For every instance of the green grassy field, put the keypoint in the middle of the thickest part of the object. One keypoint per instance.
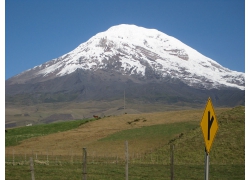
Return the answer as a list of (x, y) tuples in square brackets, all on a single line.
[(163, 131), (16, 135), (227, 156), (116, 172)]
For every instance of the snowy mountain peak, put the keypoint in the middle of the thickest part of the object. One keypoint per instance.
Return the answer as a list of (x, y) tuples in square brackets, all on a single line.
[(133, 50)]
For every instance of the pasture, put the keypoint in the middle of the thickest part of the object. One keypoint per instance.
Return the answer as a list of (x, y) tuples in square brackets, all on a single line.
[(149, 136)]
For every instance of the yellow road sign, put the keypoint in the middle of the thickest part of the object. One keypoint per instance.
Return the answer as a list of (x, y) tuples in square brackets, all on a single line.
[(209, 125)]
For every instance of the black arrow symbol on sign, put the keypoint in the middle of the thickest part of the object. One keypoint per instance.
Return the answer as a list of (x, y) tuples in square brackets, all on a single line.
[(210, 122)]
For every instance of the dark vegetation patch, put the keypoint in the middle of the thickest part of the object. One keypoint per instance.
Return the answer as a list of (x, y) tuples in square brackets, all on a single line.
[(137, 120)]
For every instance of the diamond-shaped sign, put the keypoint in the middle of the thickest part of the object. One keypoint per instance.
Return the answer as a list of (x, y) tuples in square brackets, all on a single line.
[(209, 125)]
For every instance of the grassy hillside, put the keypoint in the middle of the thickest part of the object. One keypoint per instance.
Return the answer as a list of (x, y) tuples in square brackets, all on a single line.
[(88, 134), (149, 136), (228, 146), (14, 136)]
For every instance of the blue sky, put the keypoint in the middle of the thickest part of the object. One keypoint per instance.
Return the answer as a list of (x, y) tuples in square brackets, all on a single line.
[(38, 31)]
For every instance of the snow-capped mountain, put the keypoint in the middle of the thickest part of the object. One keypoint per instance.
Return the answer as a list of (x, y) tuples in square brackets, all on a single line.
[(147, 63), (132, 50)]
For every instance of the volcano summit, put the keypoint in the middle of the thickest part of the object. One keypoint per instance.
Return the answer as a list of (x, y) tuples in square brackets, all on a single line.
[(145, 62)]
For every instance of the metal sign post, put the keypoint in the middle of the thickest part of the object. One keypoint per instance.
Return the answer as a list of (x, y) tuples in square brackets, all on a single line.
[(206, 165), (209, 127)]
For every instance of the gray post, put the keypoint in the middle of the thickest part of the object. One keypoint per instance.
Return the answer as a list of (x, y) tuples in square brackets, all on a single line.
[(47, 155), (84, 165), (126, 160), (206, 164), (72, 161), (32, 169), (13, 157), (172, 161)]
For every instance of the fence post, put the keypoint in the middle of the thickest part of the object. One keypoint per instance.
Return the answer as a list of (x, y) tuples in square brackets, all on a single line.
[(126, 160), (172, 161), (84, 165), (32, 169), (47, 155), (13, 157)]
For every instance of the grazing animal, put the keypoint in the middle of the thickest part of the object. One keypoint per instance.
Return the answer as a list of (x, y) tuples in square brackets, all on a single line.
[(96, 117)]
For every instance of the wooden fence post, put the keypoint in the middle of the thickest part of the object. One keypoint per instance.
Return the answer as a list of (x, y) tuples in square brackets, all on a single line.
[(126, 160), (47, 155), (172, 161), (93, 157), (84, 165), (13, 157), (32, 169)]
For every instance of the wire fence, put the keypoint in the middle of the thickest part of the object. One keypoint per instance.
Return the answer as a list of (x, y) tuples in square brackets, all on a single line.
[(19, 159), (97, 167), (108, 166), (157, 166)]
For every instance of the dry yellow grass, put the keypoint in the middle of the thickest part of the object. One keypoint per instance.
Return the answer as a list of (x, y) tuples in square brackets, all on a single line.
[(87, 135)]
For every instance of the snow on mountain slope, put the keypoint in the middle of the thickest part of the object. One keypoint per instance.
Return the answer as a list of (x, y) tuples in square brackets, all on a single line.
[(130, 49)]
